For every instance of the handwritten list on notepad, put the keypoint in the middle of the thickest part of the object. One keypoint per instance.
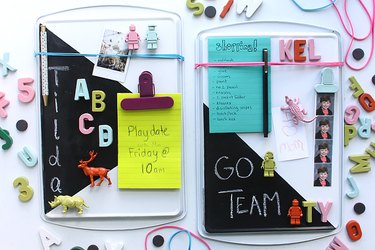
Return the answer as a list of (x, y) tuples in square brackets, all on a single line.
[(149, 146), (236, 93)]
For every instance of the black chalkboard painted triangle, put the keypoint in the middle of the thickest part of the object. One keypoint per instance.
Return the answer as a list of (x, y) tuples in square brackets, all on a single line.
[(241, 199), (63, 145)]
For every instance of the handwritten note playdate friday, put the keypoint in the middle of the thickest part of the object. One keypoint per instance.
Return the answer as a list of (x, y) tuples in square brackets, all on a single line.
[(149, 146), (235, 93)]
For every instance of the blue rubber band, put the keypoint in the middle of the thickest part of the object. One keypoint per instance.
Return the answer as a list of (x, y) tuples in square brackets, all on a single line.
[(314, 9), (156, 56), (173, 235)]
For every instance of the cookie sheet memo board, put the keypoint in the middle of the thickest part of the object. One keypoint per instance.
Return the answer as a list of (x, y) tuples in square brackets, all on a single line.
[(89, 64), (271, 172)]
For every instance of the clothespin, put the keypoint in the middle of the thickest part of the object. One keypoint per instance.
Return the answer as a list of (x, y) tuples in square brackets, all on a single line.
[(28, 158), (4, 134), (147, 99), (326, 84)]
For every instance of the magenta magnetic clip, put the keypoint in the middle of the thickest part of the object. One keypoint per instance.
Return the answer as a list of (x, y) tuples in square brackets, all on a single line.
[(147, 99)]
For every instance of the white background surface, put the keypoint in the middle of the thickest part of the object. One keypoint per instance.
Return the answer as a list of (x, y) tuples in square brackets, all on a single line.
[(21, 222)]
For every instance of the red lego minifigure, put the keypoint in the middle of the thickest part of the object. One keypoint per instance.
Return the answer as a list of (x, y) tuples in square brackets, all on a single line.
[(295, 213)]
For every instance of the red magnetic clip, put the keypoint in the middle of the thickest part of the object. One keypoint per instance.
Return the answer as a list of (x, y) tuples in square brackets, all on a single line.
[(147, 99)]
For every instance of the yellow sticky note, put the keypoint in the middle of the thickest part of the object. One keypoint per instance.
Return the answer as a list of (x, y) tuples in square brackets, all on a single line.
[(149, 146)]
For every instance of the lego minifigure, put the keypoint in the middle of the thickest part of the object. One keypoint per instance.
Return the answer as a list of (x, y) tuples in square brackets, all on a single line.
[(295, 213), (132, 38), (268, 164), (152, 38)]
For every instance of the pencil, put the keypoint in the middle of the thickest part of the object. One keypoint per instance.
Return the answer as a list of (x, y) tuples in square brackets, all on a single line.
[(44, 66), (265, 93)]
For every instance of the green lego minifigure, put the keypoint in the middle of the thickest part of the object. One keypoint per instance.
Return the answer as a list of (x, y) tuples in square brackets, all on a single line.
[(268, 164)]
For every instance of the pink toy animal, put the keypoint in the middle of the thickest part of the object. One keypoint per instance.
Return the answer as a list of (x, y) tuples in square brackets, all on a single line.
[(296, 111), (94, 171)]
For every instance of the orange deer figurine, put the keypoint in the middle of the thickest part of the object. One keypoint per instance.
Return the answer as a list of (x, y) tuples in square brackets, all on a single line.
[(94, 171)]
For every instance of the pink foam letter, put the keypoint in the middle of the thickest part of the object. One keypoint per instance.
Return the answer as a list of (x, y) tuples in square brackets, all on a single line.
[(284, 50), (324, 209), (81, 123)]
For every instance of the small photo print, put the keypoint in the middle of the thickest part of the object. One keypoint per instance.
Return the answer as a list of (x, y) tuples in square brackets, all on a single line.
[(110, 65), (322, 175), (325, 104), (323, 151), (324, 127)]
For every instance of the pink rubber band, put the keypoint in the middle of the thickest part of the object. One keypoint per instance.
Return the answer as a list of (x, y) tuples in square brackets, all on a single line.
[(323, 64), (351, 32), (178, 228), (242, 64)]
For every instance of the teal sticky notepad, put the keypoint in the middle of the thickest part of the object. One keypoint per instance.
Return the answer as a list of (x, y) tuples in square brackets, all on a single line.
[(236, 93)]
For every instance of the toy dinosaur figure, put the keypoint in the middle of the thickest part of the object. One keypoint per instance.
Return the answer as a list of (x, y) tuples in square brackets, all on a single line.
[(67, 202), (296, 111)]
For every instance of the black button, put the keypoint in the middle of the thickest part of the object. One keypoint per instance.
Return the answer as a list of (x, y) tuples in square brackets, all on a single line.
[(358, 54), (210, 11), (21, 125), (93, 247), (359, 208), (158, 240)]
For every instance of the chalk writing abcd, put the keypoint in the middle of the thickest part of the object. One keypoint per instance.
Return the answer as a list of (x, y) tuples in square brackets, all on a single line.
[(81, 116), (238, 199)]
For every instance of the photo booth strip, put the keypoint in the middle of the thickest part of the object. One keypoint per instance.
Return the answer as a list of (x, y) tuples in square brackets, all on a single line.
[(325, 114)]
